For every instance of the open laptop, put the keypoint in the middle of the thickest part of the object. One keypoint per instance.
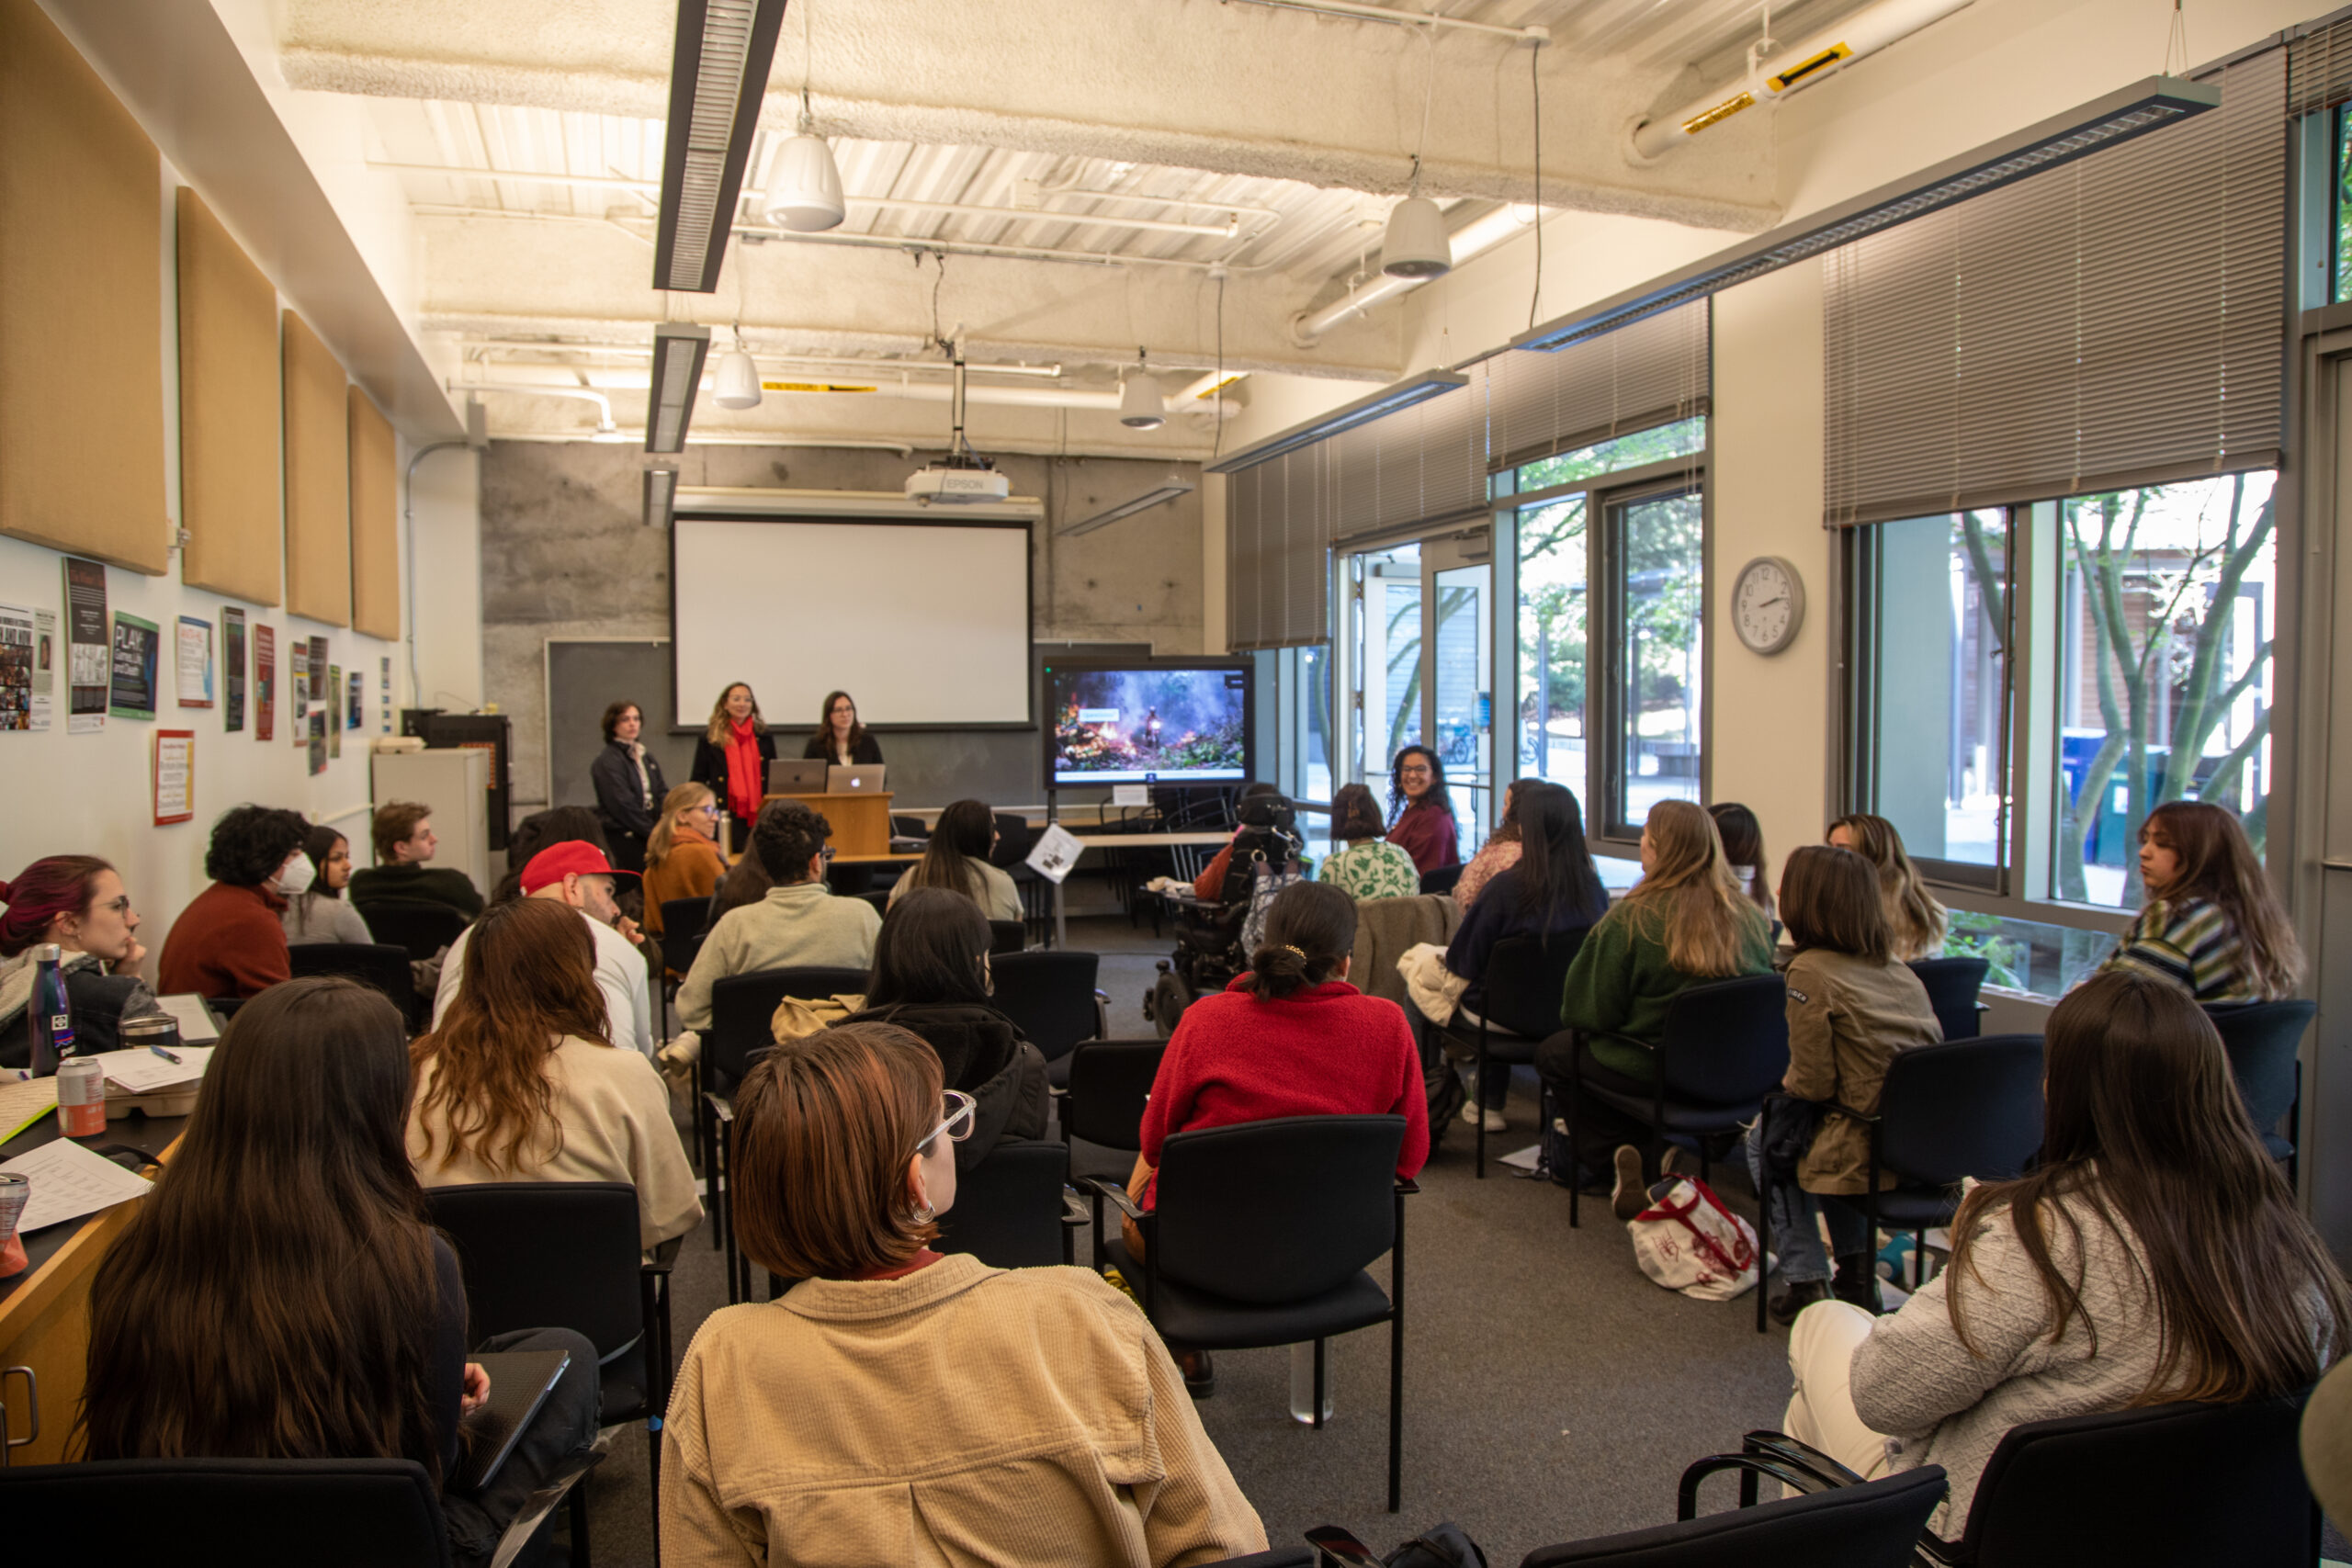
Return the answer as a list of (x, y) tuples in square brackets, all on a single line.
[(796, 778), (853, 781)]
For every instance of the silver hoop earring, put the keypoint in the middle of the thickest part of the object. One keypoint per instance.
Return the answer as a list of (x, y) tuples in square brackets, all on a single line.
[(925, 1214)]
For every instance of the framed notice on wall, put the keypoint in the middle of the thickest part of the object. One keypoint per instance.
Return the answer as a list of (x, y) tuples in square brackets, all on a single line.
[(175, 777)]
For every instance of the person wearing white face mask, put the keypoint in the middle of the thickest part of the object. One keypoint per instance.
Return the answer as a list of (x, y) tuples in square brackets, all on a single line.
[(230, 940), (77, 902)]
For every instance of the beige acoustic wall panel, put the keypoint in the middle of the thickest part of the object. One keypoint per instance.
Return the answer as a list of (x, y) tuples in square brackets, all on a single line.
[(80, 307), (318, 477), (375, 526), (229, 413)]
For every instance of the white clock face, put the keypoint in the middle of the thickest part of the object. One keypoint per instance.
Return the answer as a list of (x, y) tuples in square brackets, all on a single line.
[(1767, 604)]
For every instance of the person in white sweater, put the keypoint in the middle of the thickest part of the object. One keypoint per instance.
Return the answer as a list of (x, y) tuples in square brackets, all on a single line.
[(2155, 1255), (520, 1082), (797, 924)]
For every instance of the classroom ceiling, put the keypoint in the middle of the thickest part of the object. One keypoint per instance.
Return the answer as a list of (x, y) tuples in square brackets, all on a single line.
[(1182, 177)]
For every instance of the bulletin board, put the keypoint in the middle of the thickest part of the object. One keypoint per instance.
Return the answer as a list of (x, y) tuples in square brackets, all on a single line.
[(374, 522), (318, 477), (81, 308), (229, 413)]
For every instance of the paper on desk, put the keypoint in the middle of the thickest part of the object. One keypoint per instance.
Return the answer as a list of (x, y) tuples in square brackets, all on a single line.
[(69, 1181), (196, 1024), (1056, 850), (1131, 794), (143, 1072), (24, 1102)]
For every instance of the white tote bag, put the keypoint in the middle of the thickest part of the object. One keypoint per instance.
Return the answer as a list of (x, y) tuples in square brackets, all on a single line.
[(1688, 1241)]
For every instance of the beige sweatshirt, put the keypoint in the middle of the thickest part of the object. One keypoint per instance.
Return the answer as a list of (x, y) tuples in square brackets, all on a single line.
[(962, 1414), (614, 1113)]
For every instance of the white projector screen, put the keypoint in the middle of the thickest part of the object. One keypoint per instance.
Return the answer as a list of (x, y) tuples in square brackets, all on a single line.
[(922, 623)]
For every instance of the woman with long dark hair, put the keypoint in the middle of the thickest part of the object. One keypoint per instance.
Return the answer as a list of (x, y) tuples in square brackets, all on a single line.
[(1742, 837), (2155, 1254), (281, 1293), (1420, 812), (79, 903), (2212, 926), (955, 860), (321, 913), (839, 737), (731, 756), (1497, 855)]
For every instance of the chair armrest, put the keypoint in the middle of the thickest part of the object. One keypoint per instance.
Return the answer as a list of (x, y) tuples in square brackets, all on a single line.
[(1803, 1456), (539, 1505), (1406, 1187), (665, 1255), (1074, 1214), (1687, 1495), (1105, 1187), (720, 1106)]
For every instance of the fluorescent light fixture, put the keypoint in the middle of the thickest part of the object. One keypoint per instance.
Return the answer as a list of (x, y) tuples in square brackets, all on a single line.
[(1397, 395), (1174, 485), (661, 493), (718, 72), (2104, 122), (678, 351)]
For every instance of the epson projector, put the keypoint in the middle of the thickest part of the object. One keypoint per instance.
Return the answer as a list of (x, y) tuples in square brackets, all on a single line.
[(956, 487)]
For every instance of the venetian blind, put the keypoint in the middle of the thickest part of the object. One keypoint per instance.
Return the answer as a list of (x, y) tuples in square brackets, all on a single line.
[(1278, 552)]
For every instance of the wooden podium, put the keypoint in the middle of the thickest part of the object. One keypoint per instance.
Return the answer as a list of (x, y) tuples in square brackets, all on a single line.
[(861, 822)]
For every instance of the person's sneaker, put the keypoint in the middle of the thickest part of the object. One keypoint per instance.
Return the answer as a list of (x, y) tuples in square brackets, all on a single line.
[(1678, 1161), (1200, 1373), (1800, 1295), (1471, 1113), (1630, 1195)]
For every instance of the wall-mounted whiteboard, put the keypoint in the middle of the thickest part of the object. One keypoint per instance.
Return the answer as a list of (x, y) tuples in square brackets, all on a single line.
[(922, 623)]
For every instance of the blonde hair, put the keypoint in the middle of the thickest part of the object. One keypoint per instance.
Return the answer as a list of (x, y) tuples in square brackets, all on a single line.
[(717, 733), (1914, 921), (1692, 900), (674, 805)]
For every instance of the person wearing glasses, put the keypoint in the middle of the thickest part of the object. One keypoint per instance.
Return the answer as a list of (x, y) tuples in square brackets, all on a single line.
[(1420, 812), (682, 858), (79, 903), (896, 1404)]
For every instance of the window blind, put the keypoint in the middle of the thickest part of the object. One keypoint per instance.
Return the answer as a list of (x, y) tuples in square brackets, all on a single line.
[(2319, 68), (2119, 321), (1278, 547), (1645, 373)]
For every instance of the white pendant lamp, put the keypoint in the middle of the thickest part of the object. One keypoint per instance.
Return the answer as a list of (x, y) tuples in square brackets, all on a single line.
[(1140, 404), (737, 383), (1415, 244), (804, 192)]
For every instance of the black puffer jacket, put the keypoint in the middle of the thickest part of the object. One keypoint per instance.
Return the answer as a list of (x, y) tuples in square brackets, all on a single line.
[(982, 1053)]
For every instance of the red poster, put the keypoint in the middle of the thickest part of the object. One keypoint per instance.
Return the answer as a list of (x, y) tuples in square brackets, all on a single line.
[(265, 683)]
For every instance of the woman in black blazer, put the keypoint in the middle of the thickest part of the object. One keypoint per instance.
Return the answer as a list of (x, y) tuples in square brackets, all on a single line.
[(732, 756), (628, 780), (839, 737)]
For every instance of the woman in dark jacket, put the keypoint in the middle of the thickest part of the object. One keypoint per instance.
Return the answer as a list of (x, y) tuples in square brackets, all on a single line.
[(628, 780), (931, 979), (732, 756), (77, 902), (839, 737)]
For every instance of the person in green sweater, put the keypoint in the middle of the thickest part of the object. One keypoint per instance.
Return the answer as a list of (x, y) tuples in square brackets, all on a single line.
[(1688, 920), (404, 842)]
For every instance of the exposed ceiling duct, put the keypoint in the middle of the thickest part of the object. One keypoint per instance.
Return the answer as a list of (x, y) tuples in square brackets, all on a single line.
[(1481, 234), (718, 73)]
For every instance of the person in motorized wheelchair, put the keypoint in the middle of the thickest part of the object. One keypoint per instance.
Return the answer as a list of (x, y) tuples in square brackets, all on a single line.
[(1211, 949)]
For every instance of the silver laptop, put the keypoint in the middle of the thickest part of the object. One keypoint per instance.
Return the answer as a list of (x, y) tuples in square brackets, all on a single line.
[(853, 781), (796, 778)]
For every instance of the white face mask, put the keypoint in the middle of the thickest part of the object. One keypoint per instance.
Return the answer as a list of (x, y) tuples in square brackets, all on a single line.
[(294, 876)]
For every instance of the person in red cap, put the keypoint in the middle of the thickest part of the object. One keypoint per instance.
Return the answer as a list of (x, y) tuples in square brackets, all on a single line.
[(576, 873)]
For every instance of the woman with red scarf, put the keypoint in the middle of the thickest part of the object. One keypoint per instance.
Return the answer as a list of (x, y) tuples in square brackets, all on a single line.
[(732, 757)]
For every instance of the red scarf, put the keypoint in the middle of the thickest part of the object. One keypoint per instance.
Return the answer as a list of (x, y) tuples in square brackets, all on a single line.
[(744, 781)]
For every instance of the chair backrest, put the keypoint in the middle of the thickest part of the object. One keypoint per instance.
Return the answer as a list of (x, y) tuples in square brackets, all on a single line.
[(1874, 1524), (2159, 1486), (904, 826), (1726, 1041), (1008, 1209), (259, 1512), (1963, 1107), (1007, 936), (420, 925), (546, 1255), (1442, 879), (685, 923), (1050, 996), (1279, 1210), (1524, 977), (377, 963), (1952, 985), (1109, 1082), (741, 1005), (1014, 837), (2263, 1039)]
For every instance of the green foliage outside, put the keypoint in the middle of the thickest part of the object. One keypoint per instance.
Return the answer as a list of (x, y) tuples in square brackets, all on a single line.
[(1973, 935)]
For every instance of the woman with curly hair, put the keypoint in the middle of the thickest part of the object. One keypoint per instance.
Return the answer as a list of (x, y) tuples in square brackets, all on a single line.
[(231, 939), (1420, 813)]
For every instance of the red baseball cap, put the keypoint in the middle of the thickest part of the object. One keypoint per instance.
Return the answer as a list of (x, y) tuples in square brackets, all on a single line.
[(574, 857)]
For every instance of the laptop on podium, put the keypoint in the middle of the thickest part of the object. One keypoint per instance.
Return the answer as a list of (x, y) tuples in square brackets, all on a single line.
[(866, 780), (796, 778)]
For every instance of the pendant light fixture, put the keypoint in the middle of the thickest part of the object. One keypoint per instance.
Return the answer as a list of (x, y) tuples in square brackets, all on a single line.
[(1141, 406), (736, 384), (804, 191), (1416, 246)]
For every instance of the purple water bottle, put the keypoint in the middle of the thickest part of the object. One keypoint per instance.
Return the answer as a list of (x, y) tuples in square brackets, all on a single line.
[(50, 1014)]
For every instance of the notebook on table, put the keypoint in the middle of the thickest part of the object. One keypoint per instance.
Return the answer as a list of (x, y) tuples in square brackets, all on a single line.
[(520, 1381)]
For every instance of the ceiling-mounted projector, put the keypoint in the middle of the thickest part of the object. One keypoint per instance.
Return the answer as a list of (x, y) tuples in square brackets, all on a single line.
[(944, 485)]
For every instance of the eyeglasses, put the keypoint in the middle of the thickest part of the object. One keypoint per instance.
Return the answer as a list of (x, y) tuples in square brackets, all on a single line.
[(957, 1125), (119, 905), (829, 851), (1414, 769)]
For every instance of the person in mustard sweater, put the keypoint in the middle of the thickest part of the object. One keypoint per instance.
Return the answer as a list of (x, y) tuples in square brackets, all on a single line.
[(1686, 921), (682, 858)]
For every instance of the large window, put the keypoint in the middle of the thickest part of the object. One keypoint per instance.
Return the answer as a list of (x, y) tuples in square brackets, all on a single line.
[(1552, 629), (1658, 639)]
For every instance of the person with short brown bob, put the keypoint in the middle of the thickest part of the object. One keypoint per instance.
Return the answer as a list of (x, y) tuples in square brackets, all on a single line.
[(896, 1405)]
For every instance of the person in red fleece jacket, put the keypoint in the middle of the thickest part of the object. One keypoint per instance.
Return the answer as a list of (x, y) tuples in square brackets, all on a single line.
[(229, 941)]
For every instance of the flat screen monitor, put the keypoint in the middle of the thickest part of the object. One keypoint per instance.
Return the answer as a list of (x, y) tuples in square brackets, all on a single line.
[(1130, 723)]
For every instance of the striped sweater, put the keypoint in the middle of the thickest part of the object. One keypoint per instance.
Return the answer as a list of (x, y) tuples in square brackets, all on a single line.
[(2193, 945)]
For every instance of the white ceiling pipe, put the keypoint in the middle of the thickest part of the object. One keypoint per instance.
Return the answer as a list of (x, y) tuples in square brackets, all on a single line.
[(585, 394), (504, 351), (1819, 55), (1532, 34), (1481, 235), (901, 386)]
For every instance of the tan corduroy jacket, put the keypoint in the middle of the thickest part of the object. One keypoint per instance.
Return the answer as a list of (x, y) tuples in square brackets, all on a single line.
[(1848, 1016), (962, 1414)]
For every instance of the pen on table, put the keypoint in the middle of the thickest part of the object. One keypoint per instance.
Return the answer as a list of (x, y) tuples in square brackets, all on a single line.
[(171, 1056)]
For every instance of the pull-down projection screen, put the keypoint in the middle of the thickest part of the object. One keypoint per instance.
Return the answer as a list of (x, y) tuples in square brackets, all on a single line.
[(923, 622)]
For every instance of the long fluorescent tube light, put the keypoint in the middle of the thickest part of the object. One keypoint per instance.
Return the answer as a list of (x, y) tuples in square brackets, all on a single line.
[(661, 493), (1397, 395), (719, 72), (1173, 486), (2146, 106), (679, 348)]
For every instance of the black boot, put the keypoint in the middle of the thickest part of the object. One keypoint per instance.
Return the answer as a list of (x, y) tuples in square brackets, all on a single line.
[(1858, 1280), (1785, 1306)]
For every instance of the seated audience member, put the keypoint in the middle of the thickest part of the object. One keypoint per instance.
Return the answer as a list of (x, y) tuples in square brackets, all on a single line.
[(1851, 1007), (840, 739), (578, 875), (519, 1082), (627, 781), (404, 842), (1743, 839), (79, 903), (1370, 866), (1915, 921), (1497, 855), (556, 825), (731, 756), (931, 979), (1551, 890), (282, 1294), (1209, 886), (682, 858), (956, 858), (1685, 922), (321, 913), (2213, 926), (2153, 1255), (1028, 1415), (746, 882), (1421, 811), (229, 941)]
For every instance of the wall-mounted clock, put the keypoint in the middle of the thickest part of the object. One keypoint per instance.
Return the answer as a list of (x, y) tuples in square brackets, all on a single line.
[(1767, 605)]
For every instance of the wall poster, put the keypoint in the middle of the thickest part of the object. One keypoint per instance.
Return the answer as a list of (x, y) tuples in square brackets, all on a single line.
[(233, 668), (265, 683), (314, 732), (194, 663), (89, 652), (138, 652), (22, 706), (175, 777), (332, 710)]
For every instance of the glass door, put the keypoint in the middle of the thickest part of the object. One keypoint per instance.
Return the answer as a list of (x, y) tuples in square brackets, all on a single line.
[(1420, 646)]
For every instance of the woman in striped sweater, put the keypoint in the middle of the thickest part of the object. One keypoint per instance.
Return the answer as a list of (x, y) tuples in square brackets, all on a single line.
[(2212, 926)]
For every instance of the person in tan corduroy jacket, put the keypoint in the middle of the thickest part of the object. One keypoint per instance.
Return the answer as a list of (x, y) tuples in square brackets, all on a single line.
[(904, 1408)]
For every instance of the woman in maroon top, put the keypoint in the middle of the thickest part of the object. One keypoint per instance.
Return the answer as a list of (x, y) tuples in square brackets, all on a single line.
[(229, 941), (1423, 828)]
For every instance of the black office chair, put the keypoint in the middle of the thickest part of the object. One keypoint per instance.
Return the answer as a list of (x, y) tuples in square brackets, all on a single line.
[(1013, 838), (1051, 997), (375, 963), (1725, 1048), (686, 923), (1524, 977), (1007, 936), (420, 925), (565, 1255), (1009, 1209), (1261, 1234), (2265, 1040), (1870, 1524), (905, 827), (1952, 985), (1109, 1082), (1442, 879)]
